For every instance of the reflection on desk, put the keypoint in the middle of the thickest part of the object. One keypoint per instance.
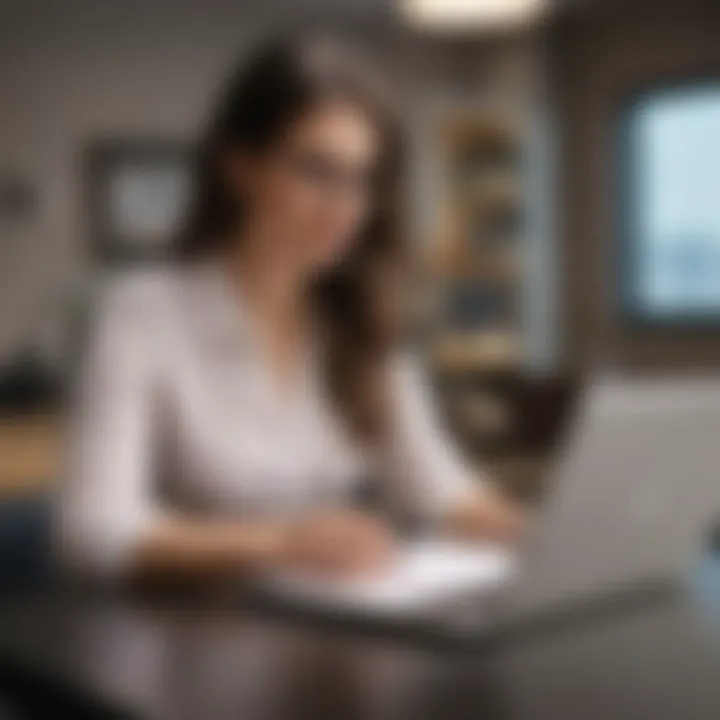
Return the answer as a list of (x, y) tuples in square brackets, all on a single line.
[(182, 656)]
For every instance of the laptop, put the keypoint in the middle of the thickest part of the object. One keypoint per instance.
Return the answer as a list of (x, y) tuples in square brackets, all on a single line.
[(632, 499)]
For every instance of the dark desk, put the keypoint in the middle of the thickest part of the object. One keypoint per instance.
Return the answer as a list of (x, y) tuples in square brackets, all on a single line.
[(656, 656)]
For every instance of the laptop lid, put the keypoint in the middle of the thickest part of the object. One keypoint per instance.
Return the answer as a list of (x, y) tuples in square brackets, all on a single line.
[(634, 495)]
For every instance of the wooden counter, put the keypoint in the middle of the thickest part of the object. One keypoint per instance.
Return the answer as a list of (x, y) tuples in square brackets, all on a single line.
[(30, 447)]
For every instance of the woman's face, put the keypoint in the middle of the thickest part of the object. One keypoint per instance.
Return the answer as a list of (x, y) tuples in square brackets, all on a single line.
[(310, 193)]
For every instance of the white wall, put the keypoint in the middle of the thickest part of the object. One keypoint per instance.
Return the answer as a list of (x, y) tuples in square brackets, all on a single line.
[(76, 70)]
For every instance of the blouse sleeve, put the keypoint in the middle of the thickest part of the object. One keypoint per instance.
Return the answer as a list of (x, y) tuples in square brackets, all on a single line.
[(425, 471), (106, 500)]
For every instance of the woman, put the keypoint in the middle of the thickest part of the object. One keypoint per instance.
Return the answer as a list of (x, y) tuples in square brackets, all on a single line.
[(235, 404)]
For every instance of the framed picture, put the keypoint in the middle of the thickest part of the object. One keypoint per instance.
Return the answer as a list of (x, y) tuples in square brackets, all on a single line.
[(137, 192)]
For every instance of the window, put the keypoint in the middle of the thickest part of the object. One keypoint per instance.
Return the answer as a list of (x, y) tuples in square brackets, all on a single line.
[(670, 195)]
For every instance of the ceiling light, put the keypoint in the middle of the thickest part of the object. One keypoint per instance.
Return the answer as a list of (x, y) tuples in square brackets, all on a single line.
[(470, 14)]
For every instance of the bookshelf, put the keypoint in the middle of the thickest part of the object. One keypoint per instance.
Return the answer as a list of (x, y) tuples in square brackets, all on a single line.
[(507, 420), (476, 249)]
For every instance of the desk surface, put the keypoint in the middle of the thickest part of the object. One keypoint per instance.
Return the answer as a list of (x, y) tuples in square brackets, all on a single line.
[(177, 658), (167, 657)]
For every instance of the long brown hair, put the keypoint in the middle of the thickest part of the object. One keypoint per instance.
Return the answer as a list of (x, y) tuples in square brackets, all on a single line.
[(261, 100)]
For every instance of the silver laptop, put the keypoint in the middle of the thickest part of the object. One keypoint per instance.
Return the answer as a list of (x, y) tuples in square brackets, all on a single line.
[(633, 497)]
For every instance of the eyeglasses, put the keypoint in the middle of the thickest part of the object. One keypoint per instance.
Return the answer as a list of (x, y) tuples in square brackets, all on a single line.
[(330, 177)]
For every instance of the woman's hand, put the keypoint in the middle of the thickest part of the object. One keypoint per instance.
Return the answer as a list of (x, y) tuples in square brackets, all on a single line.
[(487, 515), (336, 543)]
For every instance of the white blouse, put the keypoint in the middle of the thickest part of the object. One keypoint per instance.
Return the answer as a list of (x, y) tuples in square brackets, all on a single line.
[(178, 411)]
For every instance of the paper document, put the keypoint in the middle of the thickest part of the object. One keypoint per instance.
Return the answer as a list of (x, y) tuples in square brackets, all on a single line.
[(423, 574)]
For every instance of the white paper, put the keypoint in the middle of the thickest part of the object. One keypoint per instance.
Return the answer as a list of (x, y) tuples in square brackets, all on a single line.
[(423, 574)]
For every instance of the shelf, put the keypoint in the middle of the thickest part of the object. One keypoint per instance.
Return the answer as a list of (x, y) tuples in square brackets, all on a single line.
[(492, 264), (477, 350)]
